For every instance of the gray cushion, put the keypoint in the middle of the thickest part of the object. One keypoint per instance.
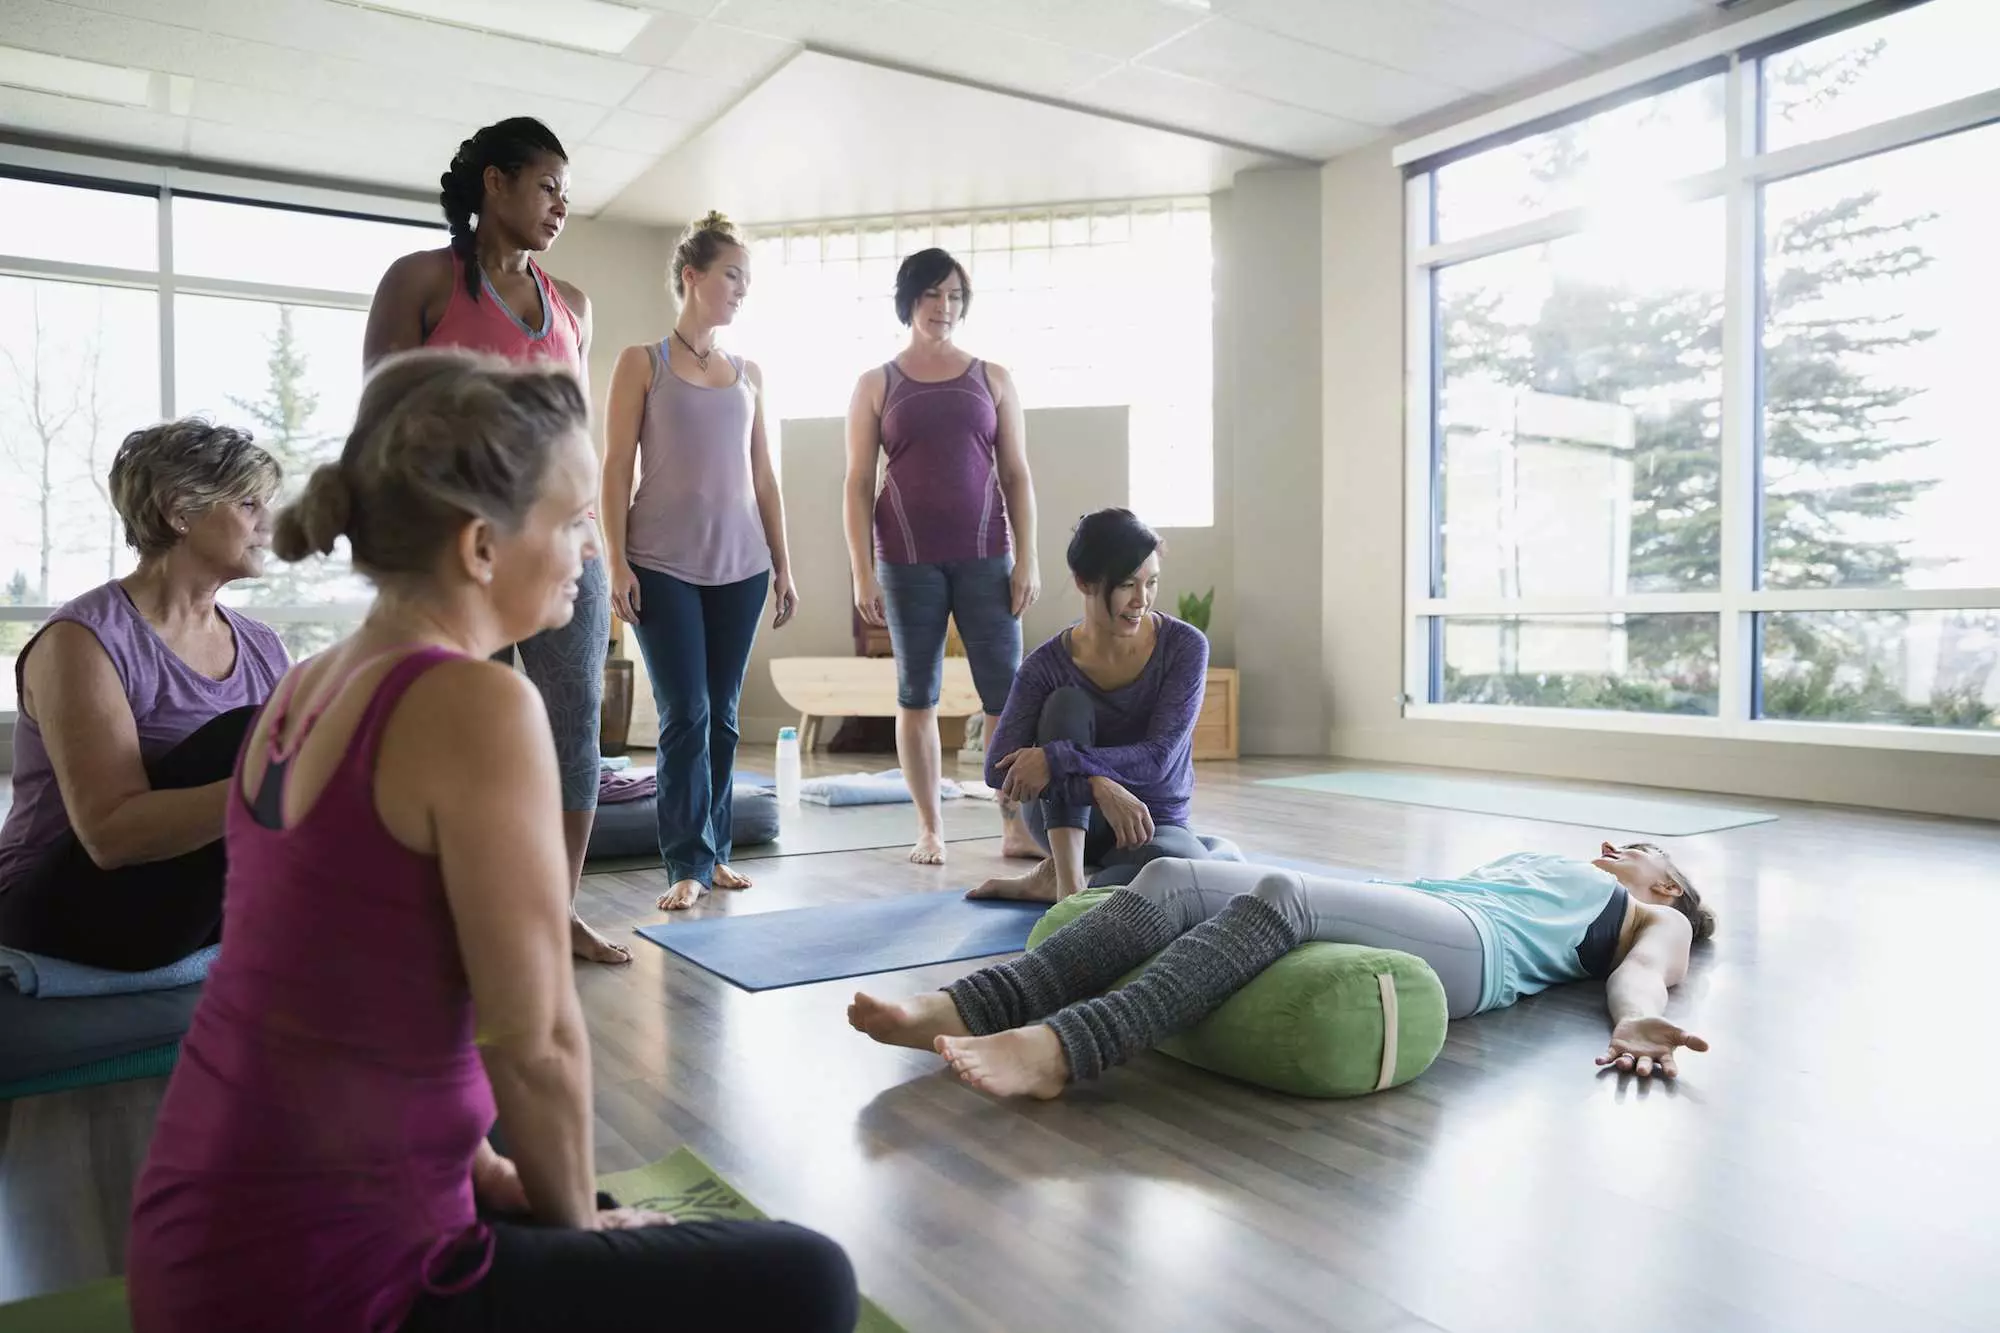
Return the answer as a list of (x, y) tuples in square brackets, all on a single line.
[(40, 1037), (627, 829)]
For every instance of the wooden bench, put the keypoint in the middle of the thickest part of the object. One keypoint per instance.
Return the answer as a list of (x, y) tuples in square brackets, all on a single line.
[(823, 687)]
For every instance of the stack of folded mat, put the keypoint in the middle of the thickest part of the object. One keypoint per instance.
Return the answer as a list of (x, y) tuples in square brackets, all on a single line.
[(64, 1025)]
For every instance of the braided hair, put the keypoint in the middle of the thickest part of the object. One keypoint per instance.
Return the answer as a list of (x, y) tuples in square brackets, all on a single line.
[(509, 145)]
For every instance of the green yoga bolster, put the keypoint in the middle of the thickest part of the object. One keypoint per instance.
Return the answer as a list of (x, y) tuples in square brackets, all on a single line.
[(1312, 1023)]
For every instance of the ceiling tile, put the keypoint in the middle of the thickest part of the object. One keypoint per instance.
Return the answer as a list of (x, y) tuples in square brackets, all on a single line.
[(97, 122), (954, 46), (1118, 28), (804, 20), (395, 163), (677, 95), (598, 175), (731, 54), (699, 9), (1209, 109), (1251, 60), (288, 114), (658, 40), (631, 132), (1426, 37), (1589, 25)]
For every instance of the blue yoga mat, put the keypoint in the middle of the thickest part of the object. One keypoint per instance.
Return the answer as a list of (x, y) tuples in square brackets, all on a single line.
[(767, 950), (1608, 811)]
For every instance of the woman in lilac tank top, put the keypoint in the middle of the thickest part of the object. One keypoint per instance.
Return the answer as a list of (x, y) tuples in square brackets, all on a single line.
[(486, 293), (397, 968), (929, 545), (697, 548), (134, 701)]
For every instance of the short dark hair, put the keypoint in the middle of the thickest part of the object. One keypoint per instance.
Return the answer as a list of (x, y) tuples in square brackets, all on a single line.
[(509, 145), (1107, 546), (922, 271)]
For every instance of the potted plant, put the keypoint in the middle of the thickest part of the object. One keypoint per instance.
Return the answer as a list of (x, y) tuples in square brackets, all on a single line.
[(1215, 728)]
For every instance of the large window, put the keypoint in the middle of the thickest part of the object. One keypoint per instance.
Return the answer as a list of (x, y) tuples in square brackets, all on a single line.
[(1107, 304), (1706, 444), (258, 323)]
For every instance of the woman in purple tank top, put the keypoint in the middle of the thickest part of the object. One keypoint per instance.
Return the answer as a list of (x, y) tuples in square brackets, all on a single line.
[(697, 548), (928, 544), (397, 966), (134, 700)]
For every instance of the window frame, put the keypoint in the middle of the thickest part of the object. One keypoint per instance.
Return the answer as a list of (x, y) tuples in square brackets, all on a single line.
[(1738, 600), (162, 184)]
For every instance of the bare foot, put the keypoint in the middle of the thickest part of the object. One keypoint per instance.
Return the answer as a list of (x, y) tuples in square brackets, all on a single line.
[(929, 850), (592, 947), (684, 893), (725, 878), (916, 1022), (1026, 1062), (1015, 840), (1037, 886)]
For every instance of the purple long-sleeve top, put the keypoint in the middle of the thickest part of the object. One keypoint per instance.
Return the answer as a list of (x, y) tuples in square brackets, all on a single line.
[(1145, 730)]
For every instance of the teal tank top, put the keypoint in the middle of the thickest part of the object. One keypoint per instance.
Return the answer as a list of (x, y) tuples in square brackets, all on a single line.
[(1532, 912)]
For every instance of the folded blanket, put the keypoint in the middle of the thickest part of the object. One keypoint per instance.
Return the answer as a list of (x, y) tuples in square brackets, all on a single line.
[(624, 788), (58, 979), (885, 788)]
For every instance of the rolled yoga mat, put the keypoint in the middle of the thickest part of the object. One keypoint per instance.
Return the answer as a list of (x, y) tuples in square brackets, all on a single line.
[(1556, 805), (769, 950), (682, 1185)]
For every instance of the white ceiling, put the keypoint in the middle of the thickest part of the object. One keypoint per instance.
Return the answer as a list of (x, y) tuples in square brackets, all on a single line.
[(328, 88)]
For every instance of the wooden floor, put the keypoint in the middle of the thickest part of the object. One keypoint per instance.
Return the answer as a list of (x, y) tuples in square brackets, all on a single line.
[(1830, 1165)]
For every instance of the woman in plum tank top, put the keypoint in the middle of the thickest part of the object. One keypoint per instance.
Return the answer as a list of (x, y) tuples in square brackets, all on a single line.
[(930, 546), (485, 292), (694, 552), (396, 967)]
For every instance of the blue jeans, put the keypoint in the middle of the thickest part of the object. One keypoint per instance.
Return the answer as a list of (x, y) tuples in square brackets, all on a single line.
[(696, 642), (921, 600)]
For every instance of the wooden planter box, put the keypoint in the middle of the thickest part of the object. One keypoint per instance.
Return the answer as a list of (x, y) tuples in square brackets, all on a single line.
[(1215, 728)]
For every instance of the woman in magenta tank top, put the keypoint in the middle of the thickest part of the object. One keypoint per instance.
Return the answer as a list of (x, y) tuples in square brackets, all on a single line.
[(396, 968), (930, 547), (697, 547), (485, 292)]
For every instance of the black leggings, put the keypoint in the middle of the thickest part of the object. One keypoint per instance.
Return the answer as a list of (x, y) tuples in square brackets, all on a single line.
[(136, 917), (771, 1277), (1069, 715)]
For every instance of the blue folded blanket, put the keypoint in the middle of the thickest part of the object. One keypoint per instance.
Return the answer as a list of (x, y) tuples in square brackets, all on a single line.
[(57, 979), (885, 788)]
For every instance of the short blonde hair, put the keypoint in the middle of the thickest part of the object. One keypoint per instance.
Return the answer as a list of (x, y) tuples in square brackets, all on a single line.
[(170, 472)]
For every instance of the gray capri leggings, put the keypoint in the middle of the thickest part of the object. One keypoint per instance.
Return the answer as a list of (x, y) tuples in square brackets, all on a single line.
[(567, 666), (1333, 911)]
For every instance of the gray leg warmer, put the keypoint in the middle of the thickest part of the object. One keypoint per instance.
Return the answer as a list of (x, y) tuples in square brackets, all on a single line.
[(1079, 960), (1186, 983)]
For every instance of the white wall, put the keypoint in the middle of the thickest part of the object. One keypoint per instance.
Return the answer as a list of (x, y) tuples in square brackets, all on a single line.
[(1361, 521)]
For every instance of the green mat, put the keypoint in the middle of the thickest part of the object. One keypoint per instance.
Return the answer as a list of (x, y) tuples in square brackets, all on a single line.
[(1605, 811), (682, 1184), (153, 1062)]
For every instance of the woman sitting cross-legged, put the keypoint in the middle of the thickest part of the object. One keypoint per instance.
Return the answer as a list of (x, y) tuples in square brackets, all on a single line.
[(1508, 929), (134, 701), (1097, 739), (396, 967)]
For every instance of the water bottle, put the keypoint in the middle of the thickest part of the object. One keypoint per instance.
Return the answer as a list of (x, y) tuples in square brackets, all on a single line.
[(788, 765)]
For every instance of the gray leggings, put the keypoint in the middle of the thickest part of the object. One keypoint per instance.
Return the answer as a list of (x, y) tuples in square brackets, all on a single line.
[(567, 666), (1332, 911)]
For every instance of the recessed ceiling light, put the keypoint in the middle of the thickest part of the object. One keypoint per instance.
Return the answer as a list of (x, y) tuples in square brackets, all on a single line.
[(587, 25), (75, 78)]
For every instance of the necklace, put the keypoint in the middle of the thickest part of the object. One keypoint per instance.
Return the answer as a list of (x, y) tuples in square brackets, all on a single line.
[(700, 358)]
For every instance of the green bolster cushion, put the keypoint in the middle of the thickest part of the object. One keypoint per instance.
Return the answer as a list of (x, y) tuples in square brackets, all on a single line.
[(1311, 1024)]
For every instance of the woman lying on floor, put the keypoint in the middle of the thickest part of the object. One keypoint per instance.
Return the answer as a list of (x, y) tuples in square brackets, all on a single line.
[(397, 959), (1508, 929), (1097, 739), (134, 701)]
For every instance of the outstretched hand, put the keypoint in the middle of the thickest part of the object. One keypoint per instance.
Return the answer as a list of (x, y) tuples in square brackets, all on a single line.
[(1646, 1046)]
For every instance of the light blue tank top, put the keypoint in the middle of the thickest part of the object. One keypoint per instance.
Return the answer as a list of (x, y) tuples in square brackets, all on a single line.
[(1531, 911)]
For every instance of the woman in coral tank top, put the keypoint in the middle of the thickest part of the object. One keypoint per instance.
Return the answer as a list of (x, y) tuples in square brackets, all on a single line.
[(485, 292), (396, 968)]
